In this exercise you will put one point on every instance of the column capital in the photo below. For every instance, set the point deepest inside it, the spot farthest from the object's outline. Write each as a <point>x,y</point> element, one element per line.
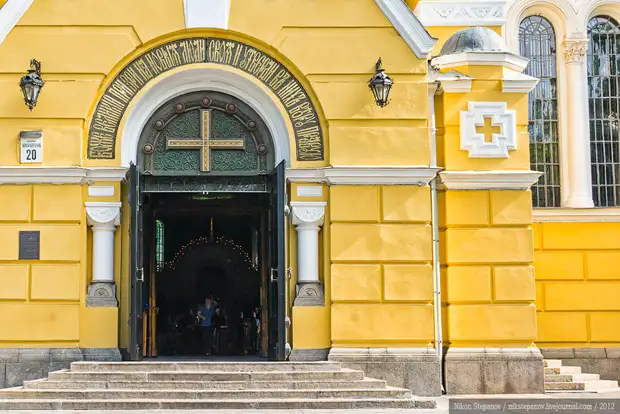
<point>308,213</point>
<point>103,214</point>
<point>575,50</point>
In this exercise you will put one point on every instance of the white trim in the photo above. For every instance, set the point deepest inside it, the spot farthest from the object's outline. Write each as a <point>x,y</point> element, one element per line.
<point>569,215</point>
<point>489,180</point>
<point>365,175</point>
<point>408,26</point>
<point>454,82</point>
<point>475,142</point>
<point>206,14</point>
<point>505,59</point>
<point>103,204</point>
<point>59,175</point>
<point>101,191</point>
<point>309,191</point>
<point>196,79</point>
<point>10,15</point>
<point>516,82</point>
<point>462,13</point>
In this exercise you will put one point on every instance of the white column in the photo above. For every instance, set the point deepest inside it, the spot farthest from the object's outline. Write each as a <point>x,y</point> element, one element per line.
<point>308,218</point>
<point>579,189</point>
<point>103,218</point>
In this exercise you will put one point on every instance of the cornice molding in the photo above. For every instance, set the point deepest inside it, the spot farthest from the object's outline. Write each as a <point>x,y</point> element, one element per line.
<point>365,175</point>
<point>10,14</point>
<point>408,26</point>
<point>462,13</point>
<point>60,175</point>
<point>488,180</point>
<point>454,82</point>
<point>582,215</point>
<point>518,83</point>
<point>505,59</point>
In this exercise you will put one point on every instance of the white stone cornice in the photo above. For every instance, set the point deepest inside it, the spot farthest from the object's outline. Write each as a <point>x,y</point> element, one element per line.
<point>575,50</point>
<point>516,82</point>
<point>60,175</point>
<point>365,175</point>
<point>10,14</point>
<point>454,82</point>
<point>206,13</point>
<point>462,12</point>
<point>103,214</point>
<point>308,213</point>
<point>505,59</point>
<point>488,180</point>
<point>581,215</point>
<point>408,26</point>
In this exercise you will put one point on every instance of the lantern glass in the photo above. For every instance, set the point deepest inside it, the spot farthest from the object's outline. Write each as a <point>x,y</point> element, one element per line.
<point>381,85</point>
<point>31,84</point>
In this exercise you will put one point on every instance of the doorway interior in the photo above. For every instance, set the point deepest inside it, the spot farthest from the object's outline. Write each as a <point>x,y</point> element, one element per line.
<point>200,245</point>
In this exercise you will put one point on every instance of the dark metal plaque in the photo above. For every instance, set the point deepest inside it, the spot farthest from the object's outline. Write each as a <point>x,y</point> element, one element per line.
<point>29,245</point>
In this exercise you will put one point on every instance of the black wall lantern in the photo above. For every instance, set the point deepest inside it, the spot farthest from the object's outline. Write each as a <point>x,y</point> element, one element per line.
<point>31,84</point>
<point>381,84</point>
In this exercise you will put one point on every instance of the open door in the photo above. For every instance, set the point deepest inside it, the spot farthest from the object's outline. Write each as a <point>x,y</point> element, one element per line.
<point>136,237</point>
<point>277,271</point>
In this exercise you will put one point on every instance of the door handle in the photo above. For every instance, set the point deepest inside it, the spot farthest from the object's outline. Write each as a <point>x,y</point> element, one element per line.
<point>140,277</point>
<point>273,275</point>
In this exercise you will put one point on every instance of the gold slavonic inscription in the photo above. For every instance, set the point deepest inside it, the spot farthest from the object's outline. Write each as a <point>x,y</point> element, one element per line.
<point>296,101</point>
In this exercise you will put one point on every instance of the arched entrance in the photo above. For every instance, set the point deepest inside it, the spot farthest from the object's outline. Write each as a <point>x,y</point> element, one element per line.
<point>205,174</point>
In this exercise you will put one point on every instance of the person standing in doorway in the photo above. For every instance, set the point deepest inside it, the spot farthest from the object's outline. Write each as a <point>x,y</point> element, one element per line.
<point>205,314</point>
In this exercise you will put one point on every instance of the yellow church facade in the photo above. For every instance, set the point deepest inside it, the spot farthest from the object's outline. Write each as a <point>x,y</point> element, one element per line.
<point>451,237</point>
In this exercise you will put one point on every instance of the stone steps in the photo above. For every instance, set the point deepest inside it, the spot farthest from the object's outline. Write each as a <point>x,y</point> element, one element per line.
<point>207,385</point>
<point>265,404</point>
<point>227,367</point>
<point>560,378</point>
<point>113,394</point>
<point>341,375</point>
<point>216,385</point>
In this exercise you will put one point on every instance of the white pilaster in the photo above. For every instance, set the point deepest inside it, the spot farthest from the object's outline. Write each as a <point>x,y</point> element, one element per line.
<point>578,192</point>
<point>103,218</point>
<point>308,217</point>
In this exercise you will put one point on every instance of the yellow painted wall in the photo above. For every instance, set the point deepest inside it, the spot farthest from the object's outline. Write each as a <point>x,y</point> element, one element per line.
<point>488,281</point>
<point>42,301</point>
<point>381,274</point>
<point>577,284</point>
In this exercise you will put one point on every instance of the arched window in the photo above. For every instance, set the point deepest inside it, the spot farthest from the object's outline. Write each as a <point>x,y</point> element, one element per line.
<point>603,88</point>
<point>537,43</point>
<point>159,245</point>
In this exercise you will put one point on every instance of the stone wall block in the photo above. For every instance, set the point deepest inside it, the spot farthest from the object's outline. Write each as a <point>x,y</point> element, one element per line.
<point>597,353</point>
<point>558,353</point>
<point>34,355</point>
<point>2,375</point>
<point>18,372</point>
<point>612,352</point>
<point>8,355</point>
<point>463,377</point>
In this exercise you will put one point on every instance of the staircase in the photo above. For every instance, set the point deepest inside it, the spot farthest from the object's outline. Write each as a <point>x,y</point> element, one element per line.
<point>207,385</point>
<point>570,379</point>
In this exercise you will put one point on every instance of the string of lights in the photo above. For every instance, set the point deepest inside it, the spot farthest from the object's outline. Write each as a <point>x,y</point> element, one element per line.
<point>203,241</point>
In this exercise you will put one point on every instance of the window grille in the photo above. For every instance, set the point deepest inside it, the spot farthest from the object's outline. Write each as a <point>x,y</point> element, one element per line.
<point>159,245</point>
<point>537,43</point>
<point>603,87</point>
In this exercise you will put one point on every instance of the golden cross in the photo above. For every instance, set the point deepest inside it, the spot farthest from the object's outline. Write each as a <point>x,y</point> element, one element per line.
<point>488,129</point>
<point>204,142</point>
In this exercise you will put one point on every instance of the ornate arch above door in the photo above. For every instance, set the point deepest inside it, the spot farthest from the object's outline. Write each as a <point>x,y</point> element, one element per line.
<point>205,133</point>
